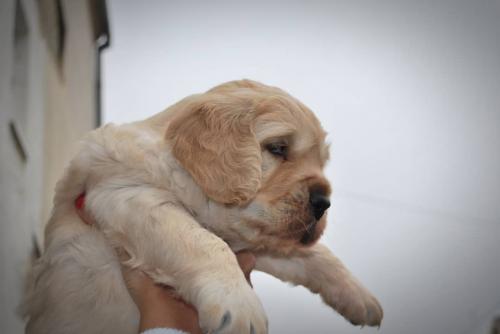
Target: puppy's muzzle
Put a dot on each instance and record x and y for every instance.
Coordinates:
(319, 204)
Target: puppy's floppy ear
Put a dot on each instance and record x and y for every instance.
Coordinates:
(213, 138)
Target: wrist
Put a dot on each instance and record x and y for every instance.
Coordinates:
(155, 319)
(162, 309)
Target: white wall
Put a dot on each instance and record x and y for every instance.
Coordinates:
(410, 94)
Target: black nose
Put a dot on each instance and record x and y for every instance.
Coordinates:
(319, 204)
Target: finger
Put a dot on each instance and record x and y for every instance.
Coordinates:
(122, 254)
(246, 260)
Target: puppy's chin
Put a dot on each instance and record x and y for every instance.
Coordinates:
(313, 232)
(282, 233)
(302, 231)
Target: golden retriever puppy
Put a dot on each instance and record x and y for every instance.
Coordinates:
(238, 167)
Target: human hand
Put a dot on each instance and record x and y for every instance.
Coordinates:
(160, 307)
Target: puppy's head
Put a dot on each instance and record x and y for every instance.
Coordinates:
(261, 152)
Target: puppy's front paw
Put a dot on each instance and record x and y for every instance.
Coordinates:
(237, 311)
(354, 302)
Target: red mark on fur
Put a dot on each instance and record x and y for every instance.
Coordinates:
(80, 201)
(80, 207)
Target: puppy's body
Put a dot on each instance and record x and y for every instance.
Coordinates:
(177, 192)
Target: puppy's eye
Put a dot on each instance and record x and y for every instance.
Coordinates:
(278, 149)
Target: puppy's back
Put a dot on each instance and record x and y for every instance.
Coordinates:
(76, 285)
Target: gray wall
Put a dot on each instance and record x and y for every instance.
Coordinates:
(410, 94)
(48, 100)
(21, 106)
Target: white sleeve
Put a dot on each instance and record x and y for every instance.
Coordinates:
(163, 331)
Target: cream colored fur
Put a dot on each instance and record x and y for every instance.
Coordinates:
(179, 192)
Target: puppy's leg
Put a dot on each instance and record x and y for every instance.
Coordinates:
(320, 271)
(166, 242)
